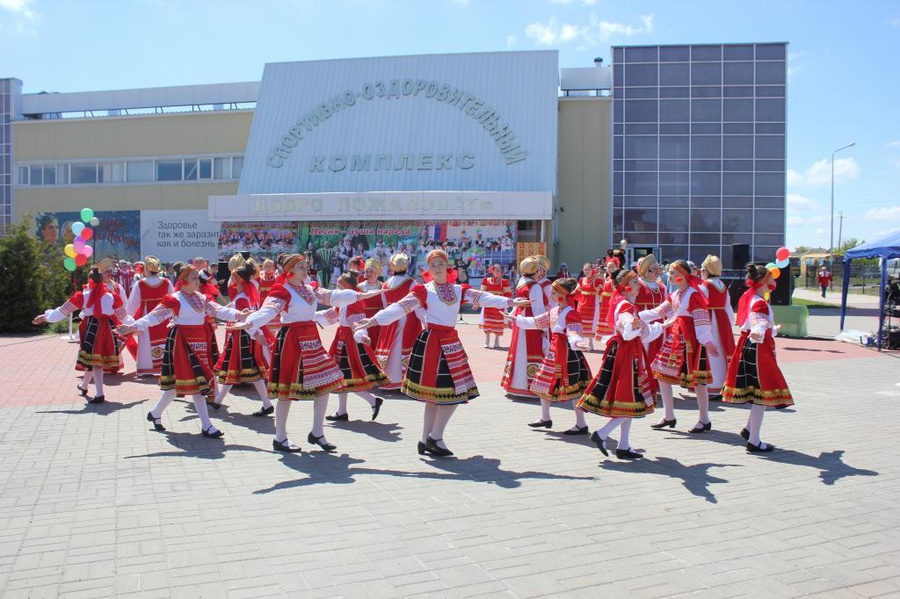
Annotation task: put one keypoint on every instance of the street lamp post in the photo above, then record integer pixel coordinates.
(831, 234)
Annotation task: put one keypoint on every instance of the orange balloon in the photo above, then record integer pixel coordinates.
(776, 272)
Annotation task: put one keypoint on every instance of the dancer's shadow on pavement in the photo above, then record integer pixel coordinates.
(830, 464)
(194, 445)
(695, 478)
(101, 409)
(331, 468)
(381, 431)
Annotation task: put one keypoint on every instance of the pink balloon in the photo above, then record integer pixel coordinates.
(78, 245)
(88, 251)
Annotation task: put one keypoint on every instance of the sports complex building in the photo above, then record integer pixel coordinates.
(680, 150)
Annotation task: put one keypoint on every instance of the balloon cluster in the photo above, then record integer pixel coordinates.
(78, 252)
(782, 260)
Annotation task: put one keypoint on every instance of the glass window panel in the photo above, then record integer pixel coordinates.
(237, 166)
(190, 169)
(737, 91)
(62, 174)
(635, 238)
(737, 165)
(737, 202)
(674, 165)
(674, 201)
(50, 175)
(37, 175)
(674, 183)
(737, 146)
(737, 183)
(641, 219)
(640, 165)
(673, 220)
(708, 110)
(706, 53)
(733, 238)
(706, 146)
(168, 170)
(770, 52)
(619, 165)
(770, 128)
(706, 165)
(712, 91)
(641, 111)
(140, 171)
(737, 52)
(737, 73)
(640, 183)
(640, 92)
(640, 201)
(641, 147)
(769, 184)
(674, 53)
(770, 165)
(617, 146)
(678, 92)
(641, 54)
(617, 75)
(24, 172)
(767, 202)
(705, 239)
(641, 75)
(739, 128)
(706, 203)
(673, 252)
(736, 219)
(706, 73)
(617, 129)
(617, 220)
(674, 129)
(222, 168)
(674, 111)
(707, 184)
(111, 172)
(706, 221)
(770, 110)
(706, 128)
(206, 168)
(769, 221)
(699, 251)
(675, 74)
(619, 110)
(617, 54)
(770, 91)
(83, 174)
(618, 186)
(734, 109)
(769, 239)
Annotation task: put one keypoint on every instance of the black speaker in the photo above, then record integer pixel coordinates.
(784, 287)
(740, 256)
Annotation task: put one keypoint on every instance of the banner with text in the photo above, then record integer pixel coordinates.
(174, 235)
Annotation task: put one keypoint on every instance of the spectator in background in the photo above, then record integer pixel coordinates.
(323, 263)
(825, 279)
(563, 272)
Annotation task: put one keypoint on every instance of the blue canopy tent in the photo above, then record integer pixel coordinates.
(886, 249)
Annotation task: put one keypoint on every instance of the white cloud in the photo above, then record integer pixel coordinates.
(21, 7)
(895, 22)
(23, 17)
(595, 31)
(894, 144)
(511, 40)
(463, 2)
(794, 64)
(819, 173)
(799, 202)
(888, 214)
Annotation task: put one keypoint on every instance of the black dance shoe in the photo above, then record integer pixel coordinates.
(157, 424)
(715, 397)
(431, 445)
(664, 424)
(337, 418)
(285, 446)
(600, 443)
(745, 434)
(81, 391)
(541, 424)
(627, 454)
(701, 427)
(263, 412)
(208, 432)
(422, 448)
(320, 441)
(751, 448)
(377, 407)
(581, 430)
(97, 399)
(214, 405)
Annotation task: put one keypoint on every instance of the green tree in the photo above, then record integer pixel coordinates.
(22, 271)
(850, 244)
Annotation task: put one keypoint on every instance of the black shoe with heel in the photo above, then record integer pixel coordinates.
(664, 424)
(701, 427)
(209, 433)
(541, 424)
(97, 399)
(431, 445)
(600, 442)
(157, 424)
(377, 407)
(581, 430)
(320, 441)
(745, 434)
(285, 446)
(627, 454)
(81, 390)
(263, 412)
(337, 418)
(751, 448)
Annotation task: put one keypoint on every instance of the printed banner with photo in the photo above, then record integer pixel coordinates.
(117, 236)
(261, 239)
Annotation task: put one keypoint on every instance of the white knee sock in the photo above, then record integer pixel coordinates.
(665, 389)
(580, 422)
(282, 409)
(755, 423)
(625, 433)
(164, 400)
(545, 410)
(88, 377)
(98, 379)
(368, 397)
(260, 386)
(428, 421)
(222, 392)
(200, 406)
(320, 408)
(609, 427)
(703, 402)
(440, 422)
(342, 403)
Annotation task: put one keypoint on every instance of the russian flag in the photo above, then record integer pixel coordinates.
(440, 233)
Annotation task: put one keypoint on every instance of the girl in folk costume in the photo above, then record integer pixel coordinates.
(491, 318)
(395, 341)
(611, 265)
(266, 279)
(753, 375)
(371, 283)
(99, 347)
(301, 369)
(587, 299)
(683, 358)
(564, 373)
(526, 348)
(107, 268)
(722, 316)
(438, 372)
(354, 356)
(188, 366)
(624, 388)
(543, 270)
(145, 296)
(244, 359)
(651, 293)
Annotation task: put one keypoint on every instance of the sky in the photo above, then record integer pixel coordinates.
(843, 73)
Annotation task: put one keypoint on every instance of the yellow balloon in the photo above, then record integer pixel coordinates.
(776, 272)
(69, 250)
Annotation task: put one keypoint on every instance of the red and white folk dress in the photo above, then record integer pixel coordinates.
(492, 318)
(188, 365)
(682, 359)
(526, 348)
(357, 360)
(372, 305)
(301, 368)
(439, 370)
(624, 385)
(606, 293)
(650, 295)
(243, 358)
(100, 308)
(754, 375)
(722, 316)
(587, 299)
(564, 373)
(145, 296)
(395, 341)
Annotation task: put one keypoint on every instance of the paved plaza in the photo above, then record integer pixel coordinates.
(95, 503)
